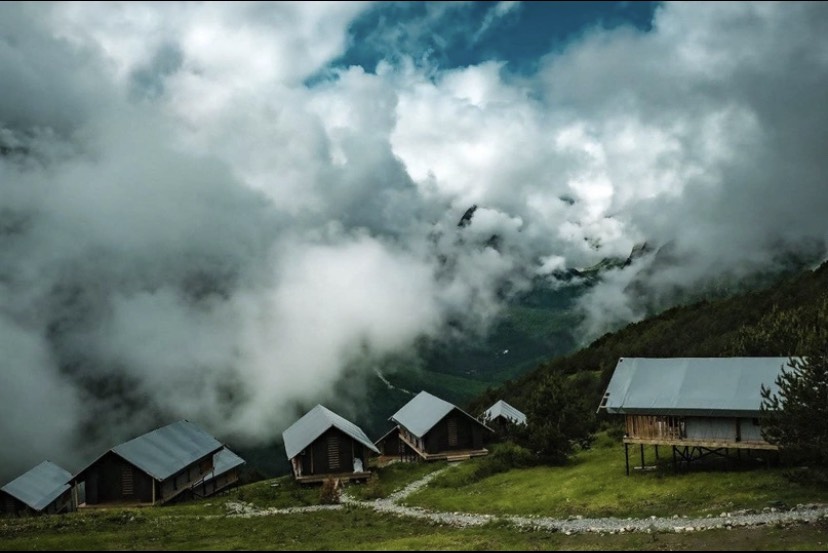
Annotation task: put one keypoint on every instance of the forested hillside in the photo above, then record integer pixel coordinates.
(769, 322)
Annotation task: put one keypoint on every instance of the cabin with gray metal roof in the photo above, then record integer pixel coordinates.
(502, 412)
(153, 468)
(696, 406)
(436, 429)
(323, 445)
(45, 488)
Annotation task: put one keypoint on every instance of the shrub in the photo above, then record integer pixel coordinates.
(330, 492)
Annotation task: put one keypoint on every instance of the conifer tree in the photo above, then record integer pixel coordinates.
(795, 417)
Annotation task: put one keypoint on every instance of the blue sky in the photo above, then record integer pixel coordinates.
(467, 33)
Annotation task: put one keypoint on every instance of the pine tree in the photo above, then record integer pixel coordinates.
(796, 417)
(558, 420)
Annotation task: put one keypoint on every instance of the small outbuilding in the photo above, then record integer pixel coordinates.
(323, 445)
(392, 448)
(226, 473)
(695, 405)
(45, 489)
(153, 468)
(502, 414)
(436, 429)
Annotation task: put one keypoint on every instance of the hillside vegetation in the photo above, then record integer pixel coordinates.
(752, 324)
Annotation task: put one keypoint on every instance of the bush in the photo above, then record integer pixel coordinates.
(512, 455)
(502, 458)
(330, 493)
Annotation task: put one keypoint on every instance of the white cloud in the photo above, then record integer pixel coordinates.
(181, 211)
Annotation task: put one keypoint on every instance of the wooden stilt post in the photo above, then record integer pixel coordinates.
(656, 448)
(675, 465)
(642, 455)
(627, 457)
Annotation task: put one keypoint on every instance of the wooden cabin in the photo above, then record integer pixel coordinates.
(323, 445)
(436, 430)
(392, 448)
(45, 489)
(696, 406)
(501, 415)
(152, 469)
(226, 473)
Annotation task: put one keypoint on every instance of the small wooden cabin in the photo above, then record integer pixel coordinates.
(153, 468)
(45, 489)
(392, 448)
(500, 415)
(323, 445)
(694, 405)
(436, 430)
(226, 472)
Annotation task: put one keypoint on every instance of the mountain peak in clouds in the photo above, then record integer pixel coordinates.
(466, 219)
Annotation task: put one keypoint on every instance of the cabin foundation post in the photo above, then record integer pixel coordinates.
(656, 451)
(641, 446)
(675, 464)
(627, 457)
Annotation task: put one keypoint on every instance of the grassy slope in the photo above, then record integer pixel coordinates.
(358, 529)
(594, 485)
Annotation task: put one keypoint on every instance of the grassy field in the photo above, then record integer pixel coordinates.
(356, 529)
(594, 485)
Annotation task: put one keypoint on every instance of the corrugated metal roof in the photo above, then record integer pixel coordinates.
(166, 450)
(313, 424)
(503, 409)
(224, 461)
(692, 385)
(424, 411)
(41, 485)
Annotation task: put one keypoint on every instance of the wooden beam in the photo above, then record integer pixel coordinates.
(627, 456)
(709, 444)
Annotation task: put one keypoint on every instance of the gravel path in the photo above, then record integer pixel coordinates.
(571, 525)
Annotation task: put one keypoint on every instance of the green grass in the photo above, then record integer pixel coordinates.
(153, 528)
(391, 478)
(595, 485)
(279, 492)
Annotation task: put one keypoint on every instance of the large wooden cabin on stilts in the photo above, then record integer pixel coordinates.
(695, 406)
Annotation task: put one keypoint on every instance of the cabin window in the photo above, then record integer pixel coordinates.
(452, 432)
(333, 452)
(127, 482)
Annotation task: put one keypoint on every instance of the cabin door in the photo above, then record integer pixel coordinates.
(127, 481)
(452, 432)
(334, 461)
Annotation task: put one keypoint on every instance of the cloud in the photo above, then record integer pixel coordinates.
(496, 13)
(205, 214)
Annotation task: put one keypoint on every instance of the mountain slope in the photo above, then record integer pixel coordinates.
(759, 323)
